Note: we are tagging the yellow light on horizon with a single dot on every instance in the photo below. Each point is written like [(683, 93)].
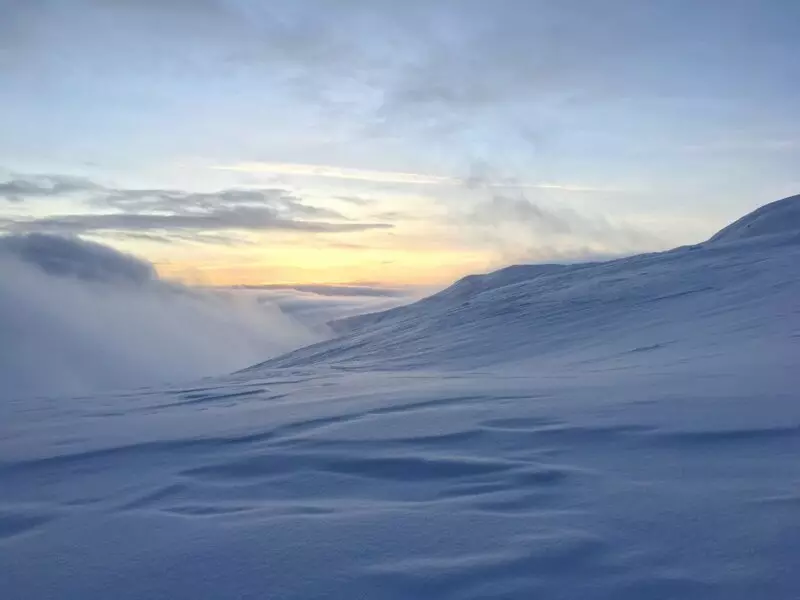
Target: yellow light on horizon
[(312, 266)]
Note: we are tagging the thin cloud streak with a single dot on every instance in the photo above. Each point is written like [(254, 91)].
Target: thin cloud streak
[(18, 188), (337, 173), (250, 219), (395, 177)]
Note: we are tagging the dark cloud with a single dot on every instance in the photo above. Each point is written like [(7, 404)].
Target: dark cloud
[(77, 258), (174, 213), (19, 188), (140, 200), (179, 237), (237, 218), (278, 200)]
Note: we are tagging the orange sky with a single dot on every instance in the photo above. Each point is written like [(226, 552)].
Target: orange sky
[(302, 265)]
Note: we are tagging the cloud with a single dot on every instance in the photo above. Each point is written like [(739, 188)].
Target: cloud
[(72, 257), (280, 201), (398, 69), (394, 177), (160, 211), (334, 290), (520, 229), (318, 305), (77, 317), (519, 210), (413, 64), (19, 188), (191, 237), (337, 173), (237, 218)]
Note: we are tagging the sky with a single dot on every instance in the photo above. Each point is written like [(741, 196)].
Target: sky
[(381, 142)]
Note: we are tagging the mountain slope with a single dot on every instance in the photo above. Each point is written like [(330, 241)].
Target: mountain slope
[(687, 301), (777, 218)]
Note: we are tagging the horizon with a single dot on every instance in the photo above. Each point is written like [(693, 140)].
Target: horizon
[(431, 299), (334, 143)]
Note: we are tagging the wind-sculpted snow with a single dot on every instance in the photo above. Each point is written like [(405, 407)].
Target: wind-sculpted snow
[(308, 484), (625, 430)]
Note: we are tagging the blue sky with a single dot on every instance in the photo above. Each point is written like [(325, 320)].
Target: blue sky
[(388, 141)]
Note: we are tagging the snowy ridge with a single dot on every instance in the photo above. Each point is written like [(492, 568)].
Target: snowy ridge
[(680, 301), (781, 217), (624, 430)]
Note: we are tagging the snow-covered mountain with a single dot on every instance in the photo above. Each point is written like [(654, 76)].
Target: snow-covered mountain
[(621, 430), (690, 301)]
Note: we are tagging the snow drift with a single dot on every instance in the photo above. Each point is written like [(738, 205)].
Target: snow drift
[(627, 429)]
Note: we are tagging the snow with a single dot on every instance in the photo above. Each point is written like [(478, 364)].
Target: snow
[(779, 217), (692, 299), (620, 430)]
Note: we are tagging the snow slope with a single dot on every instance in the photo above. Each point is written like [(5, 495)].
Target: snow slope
[(622, 430), (693, 300), (777, 218)]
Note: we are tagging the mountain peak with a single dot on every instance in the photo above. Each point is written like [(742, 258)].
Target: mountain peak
[(779, 217)]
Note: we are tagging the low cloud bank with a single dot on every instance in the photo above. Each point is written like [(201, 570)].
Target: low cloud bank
[(77, 317)]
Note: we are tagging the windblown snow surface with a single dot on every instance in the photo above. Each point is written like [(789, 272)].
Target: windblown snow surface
[(620, 430)]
